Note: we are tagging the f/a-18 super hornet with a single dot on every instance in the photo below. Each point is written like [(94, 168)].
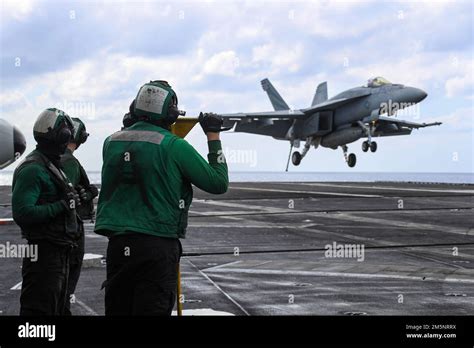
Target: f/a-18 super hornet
[(12, 143), (353, 114)]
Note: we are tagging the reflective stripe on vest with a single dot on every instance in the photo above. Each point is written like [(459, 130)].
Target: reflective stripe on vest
[(137, 135)]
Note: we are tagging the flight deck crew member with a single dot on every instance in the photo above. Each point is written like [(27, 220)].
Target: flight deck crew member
[(87, 192), (144, 200), (43, 205)]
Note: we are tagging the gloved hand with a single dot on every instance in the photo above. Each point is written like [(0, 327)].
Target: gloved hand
[(87, 195), (94, 191), (71, 196), (211, 122), (82, 193)]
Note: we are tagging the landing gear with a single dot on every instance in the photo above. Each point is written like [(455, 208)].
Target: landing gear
[(351, 158), (368, 144), (373, 146), (365, 146), (296, 158)]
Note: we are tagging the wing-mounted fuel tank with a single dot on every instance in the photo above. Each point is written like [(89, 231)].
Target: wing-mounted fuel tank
[(12, 144), (342, 137)]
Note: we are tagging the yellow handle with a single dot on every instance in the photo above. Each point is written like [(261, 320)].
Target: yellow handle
[(183, 126)]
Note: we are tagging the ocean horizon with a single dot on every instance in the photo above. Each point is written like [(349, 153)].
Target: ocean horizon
[(268, 176)]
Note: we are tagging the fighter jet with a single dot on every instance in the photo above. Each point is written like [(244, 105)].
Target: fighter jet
[(345, 118), (12, 144)]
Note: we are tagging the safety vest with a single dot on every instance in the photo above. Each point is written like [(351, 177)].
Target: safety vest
[(64, 227)]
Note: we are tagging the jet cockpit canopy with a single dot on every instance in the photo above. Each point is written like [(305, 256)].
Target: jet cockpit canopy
[(378, 81)]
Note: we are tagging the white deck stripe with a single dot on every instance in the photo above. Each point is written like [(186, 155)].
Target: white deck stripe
[(399, 223), (339, 274), (16, 286), (219, 288), (88, 309), (221, 266), (385, 188), (307, 192), (242, 206)]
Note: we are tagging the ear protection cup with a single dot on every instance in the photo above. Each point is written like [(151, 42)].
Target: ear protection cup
[(63, 135), (173, 111), (131, 108), (83, 137)]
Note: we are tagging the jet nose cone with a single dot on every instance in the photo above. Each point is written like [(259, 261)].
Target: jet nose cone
[(420, 94), (19, 142), (415, 95)]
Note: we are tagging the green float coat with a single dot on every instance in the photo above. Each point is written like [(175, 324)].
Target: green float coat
[(31, 184), (146, 181), (37, 206), (71, 167)]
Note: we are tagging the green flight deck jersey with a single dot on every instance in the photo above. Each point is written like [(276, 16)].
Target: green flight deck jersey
[(146, 181), (36, 202)]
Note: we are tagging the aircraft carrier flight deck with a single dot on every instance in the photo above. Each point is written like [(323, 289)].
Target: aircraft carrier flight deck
[(309, 248)]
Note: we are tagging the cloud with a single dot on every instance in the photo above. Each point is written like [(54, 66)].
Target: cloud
[(278, 56), (223, 63), (17, 9), (459, 120), (460, 85)]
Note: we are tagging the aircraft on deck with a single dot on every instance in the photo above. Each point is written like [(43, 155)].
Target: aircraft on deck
[(12, 144)]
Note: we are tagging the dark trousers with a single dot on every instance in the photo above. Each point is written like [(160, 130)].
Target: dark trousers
[(75, 266), (43, 291), (141, 275)]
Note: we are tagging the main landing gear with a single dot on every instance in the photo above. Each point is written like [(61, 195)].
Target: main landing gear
[(296, 157)]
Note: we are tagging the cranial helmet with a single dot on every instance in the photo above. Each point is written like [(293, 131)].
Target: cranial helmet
[(80, 135), (156, 101), (53, 126)]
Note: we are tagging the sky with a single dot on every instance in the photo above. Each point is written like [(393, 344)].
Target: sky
[(89, 58)]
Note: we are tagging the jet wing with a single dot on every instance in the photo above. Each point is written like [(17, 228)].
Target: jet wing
[(388, 126), (407, 124), (271, 123), (281, 115)]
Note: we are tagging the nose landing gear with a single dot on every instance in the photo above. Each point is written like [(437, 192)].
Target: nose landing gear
[(368, 144), (372, 145)]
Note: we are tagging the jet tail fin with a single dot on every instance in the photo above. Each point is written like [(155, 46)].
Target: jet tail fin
[(321, 94), (275, 97)]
